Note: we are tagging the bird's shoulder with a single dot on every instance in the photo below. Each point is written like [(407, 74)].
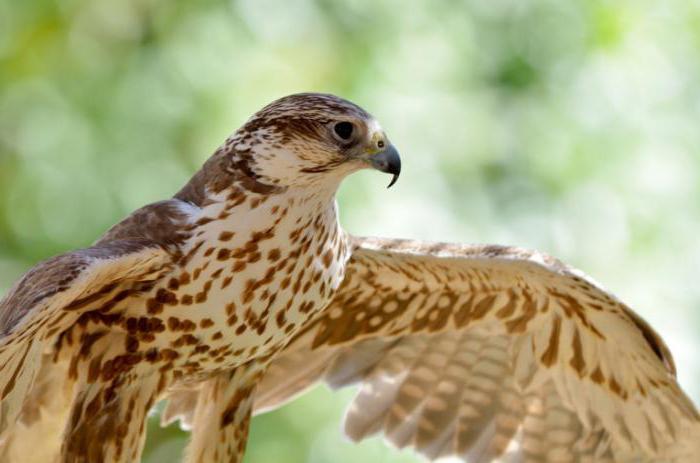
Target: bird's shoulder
[(140, 246), (168, 223)]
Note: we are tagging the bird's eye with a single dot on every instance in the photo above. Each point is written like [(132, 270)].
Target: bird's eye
[(344, 130)]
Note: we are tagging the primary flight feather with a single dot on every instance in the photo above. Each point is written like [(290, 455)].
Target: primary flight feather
[(242, 291)]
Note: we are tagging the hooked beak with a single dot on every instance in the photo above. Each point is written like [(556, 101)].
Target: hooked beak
[(388, 161)]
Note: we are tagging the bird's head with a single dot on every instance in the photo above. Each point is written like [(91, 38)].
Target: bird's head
[(309, 139)]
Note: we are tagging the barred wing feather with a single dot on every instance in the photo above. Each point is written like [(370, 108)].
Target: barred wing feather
[(490, 353)]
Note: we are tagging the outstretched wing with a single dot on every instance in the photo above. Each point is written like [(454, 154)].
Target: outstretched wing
[(49, 298), (486, 352)]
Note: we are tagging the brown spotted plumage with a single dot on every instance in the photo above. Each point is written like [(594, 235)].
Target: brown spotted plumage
[(243, 291)]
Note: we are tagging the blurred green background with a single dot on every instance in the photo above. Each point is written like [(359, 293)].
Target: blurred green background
[(571, 127)]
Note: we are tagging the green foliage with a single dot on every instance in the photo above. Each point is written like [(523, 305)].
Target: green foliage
[(566, 126)]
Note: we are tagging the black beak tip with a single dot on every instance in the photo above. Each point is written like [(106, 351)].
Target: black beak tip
[(388, 161), (393, 180)]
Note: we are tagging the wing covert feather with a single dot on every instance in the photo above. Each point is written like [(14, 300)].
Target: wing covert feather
[(488, 352), (51, 296)]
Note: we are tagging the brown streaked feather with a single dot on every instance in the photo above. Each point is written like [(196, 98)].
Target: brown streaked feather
[(157, 229), (487, 352), (43, 304), (164, 223), (57, 276), (51, 296), (106, 424), (221, 416), (37, 434)]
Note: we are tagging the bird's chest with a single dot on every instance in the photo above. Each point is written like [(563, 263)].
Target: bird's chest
[(242, 292)]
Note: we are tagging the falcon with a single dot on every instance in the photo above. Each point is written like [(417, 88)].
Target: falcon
[(242, 291)]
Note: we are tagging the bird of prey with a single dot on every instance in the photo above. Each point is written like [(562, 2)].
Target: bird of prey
[(242, 291)]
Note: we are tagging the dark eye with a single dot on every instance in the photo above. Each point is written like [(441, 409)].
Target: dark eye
[(343, 130)]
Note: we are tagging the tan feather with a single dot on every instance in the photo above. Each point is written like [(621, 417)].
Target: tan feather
[(221, 416), (488, 352), (180, 406), (48, 300), (37, 435)]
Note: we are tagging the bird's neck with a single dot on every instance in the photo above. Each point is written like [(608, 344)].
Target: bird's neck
[(282, 215), (272, 259), (236, 209)]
